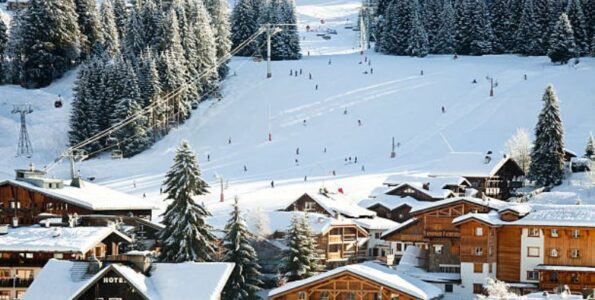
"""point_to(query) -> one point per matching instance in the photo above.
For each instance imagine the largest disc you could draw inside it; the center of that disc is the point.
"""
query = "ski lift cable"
(160, 101)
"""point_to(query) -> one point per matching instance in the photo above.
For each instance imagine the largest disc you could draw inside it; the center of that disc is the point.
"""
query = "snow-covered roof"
(399, 227)
(432, 191)
(564, 268)
(468, 164)
(55, 239)
(437, 182)
(374, 272)
(488, 202)
(391, 202)
(412, 263)
(376, 223)
(542, 215)
(91, 196)
(339, 203)
(166, 281)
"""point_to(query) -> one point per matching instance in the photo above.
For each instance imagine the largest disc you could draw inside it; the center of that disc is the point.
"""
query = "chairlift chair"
(58, 102)
(117, 154)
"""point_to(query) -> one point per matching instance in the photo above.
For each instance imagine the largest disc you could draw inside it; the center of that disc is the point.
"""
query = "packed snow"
(354, 113)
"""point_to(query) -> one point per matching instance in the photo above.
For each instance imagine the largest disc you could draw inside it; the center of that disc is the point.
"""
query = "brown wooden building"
(366, 281)
(342, 242)
(329, 204)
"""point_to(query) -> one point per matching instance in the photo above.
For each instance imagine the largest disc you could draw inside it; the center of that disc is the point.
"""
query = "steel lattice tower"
(24, 146)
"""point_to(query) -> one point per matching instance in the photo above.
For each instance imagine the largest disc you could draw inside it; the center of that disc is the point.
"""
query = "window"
(399, 247)
(576, 234)
(448, 288)
(490, 250)
(554, 277)
(25, 273)
(4, 295)
(377, 235)
(309, 206)
(301, 296)
(478, 231)
(409, 191)
(554, 252)
(554, 232)
(490, 268)
(58, 255)
(449, 268)
(574, 278)
(575, 253)
(477, 268)
(437, 249)
(351, 296)
(478, 251)
(534, 232)
(477, 288)
(532, 251)
(324, 296)
(532, 275)
(5, 274)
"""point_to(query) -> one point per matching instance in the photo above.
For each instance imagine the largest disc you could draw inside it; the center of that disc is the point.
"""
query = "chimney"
(140, 260)
(94, 265)
(488, 158)
(426, 186)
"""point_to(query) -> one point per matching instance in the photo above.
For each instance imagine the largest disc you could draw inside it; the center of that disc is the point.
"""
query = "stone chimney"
(94, 265)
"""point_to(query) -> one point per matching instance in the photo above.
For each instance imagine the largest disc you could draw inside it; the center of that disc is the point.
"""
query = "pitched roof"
(392, 202)
(91, 196)
(55, 239)
(374, 272)
(488, 202)
(376, 223)
(399, 227)
(468, 164)
(339, 203)
(166, 281)
(438, 182)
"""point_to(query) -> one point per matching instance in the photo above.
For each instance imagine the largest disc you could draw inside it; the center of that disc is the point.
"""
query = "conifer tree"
(110, 33)
(3, 46)
(289, 36)
(50, 41)
(120, 17)
(545, 22)
(444, 42)
(432, 15)
(89, 26)
(206, 56)
(151, 18)
(301, 260)
(245, 277)
(243, 25)
(500, 18)
(150, 88)
(134, 39)
(547, 155)
(418, 39)
(590, 148)
(83, 115)
(186, 236)
(220, 24)
(528, 35)
(577, 20)
(13, 51)
(172, 77)
(398, 26)
(474, 33)
(562, 46)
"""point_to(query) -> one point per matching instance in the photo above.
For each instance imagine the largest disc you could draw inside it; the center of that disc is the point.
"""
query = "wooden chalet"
(25, 250)
(392, 207)
(366, 281)
(341, 242)
(329, 204)
(543, 249)
(31, 196)
(490, 176)
(431, 228)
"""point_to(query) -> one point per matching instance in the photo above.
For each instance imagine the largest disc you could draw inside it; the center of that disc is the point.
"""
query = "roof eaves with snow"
(399, 227)
(489, 202)
(335, 203)
(384, 276)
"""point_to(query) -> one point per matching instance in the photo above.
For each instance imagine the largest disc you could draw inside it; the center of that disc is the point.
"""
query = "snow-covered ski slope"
(394, 101)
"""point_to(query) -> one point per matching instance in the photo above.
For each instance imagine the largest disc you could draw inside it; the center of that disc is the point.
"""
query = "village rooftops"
(542, 215)
(399, 227)
(375, 223)
(90, 196)
(435, 182)
(376, 273)
(488, 202)
(469, 164)
(392, 202)
(55, 239)
(181, 281)
(335, 203)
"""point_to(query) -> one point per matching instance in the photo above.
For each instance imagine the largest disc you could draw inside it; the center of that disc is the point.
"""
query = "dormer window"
(534, 232)
(409, 191)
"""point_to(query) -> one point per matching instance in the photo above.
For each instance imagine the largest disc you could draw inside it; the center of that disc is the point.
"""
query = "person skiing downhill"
(272, 184)
(443, 109)
(297, 151)
(310, 76)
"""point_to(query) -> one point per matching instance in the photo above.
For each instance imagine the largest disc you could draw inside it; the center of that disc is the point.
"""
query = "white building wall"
(456, 294)
(469, 278)
(529, 263)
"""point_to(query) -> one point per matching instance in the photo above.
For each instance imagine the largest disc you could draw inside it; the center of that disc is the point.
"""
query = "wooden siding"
(300, 205)
(340, 286)
(509, 253)
(339, 244)
(470, 241)
(582, 280)
(585, 243)
(413, 193)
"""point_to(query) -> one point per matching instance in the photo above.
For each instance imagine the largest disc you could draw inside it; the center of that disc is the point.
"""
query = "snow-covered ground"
(394, 101)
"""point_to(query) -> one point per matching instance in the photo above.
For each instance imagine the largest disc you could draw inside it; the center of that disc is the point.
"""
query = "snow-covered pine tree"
(190, 53)
(574, 11)
(220, 24)
(547, 155)
(474, 33)
(134, 39)
(111, 36)
(418, 38)
(13, 59)
(244, 24)
(590, 148)
(186, 236)
(518, 147)
(527, 37)
(432, 14)
(544, 17)
(400, 26)
(3, 46)
(243, 284)
(172, 77)
(83, 115)
(134, 137)
(50, 41)
(500, 18)
(120, 17)
(562, 46)
(150, 88)
(89, 26)
(206, 52)
(444, 42)
(289, 37)
(151, 18)
(301, 257)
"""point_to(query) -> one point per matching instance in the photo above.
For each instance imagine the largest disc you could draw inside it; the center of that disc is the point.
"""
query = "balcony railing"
(10, 282)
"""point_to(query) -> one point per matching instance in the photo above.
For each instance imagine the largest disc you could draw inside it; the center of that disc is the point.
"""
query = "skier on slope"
(272, 184)
(245, 168)
(359, 122)
(443, 109)
(297, 151)
(310, 76)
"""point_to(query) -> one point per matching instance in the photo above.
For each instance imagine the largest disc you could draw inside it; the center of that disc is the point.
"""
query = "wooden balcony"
(334, 256)
(341, 239)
